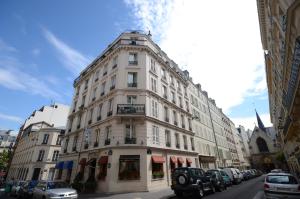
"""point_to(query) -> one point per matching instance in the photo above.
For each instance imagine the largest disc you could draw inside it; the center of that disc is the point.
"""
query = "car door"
(38, 191)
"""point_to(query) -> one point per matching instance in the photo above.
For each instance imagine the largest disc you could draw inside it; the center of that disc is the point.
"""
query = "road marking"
(259, 195)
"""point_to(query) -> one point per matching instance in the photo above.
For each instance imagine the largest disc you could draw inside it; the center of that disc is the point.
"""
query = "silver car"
(281, 185)
(54, 190)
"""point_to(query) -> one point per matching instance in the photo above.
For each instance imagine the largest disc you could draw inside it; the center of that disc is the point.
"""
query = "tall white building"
(135, 117)
(38, 144)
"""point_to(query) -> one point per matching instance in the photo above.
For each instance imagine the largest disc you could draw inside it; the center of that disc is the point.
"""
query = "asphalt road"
(251, 189)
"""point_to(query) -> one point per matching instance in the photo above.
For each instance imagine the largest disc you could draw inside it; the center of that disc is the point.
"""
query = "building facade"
(280, 36)
(135, 117)
(38, 144)
(7, 141)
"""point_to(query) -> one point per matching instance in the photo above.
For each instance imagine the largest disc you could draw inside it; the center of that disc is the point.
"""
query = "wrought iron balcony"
(134, 84)
(129, 140)
(133, 62)
(165, 96)
(167, 119)
(177, 146)
(168, 144)
(107, 142)
(131, 109)
(109, 113)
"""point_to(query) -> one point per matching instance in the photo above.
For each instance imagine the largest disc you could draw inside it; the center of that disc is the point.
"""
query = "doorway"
(36, 173)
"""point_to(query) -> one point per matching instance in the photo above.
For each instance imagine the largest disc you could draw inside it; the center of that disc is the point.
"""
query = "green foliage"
(4, 158)
(280, 157)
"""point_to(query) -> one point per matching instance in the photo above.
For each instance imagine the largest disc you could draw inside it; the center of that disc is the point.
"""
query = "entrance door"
(36, 173)
(51, 174)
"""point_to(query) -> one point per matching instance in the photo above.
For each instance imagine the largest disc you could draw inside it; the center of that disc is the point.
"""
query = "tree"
(4, 158)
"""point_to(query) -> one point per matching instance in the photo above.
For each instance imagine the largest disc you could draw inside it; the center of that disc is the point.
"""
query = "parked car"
(226, 178)
(246, 175)
(26, 189)
(191, 180)
(217, 179)
(54, 189)
(281, 185)
(16, 187)
(276, 171)
(234, 176)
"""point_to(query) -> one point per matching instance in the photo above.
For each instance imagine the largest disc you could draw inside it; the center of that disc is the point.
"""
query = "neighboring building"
(244, 139)
(280, 36)
(7, 140)
(39, 144)
(135, 117)
(233, 148)
(264, 148)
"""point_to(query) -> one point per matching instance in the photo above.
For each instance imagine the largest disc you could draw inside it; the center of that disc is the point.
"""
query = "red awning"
(188, 160)
(158, 159)
(180, 160)
(173, 159)
(82, 161)
(103, 160)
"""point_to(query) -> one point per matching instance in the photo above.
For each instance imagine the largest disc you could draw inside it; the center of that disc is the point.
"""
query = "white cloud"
(11, 118)
(217, 40)
(71, 58)
(250, 122)
(12, 78)
(5, 47)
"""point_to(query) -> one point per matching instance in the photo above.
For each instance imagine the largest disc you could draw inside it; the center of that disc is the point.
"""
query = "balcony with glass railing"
(131, 109)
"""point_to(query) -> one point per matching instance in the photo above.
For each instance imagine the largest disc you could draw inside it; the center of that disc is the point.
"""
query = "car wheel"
(182, 179)
(200, 192)
(178, 193)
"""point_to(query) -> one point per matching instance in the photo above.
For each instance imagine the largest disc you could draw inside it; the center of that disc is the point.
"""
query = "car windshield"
(281, 179)
(56, 185)
(180, 170)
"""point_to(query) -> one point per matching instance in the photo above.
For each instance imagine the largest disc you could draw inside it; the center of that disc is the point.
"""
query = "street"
(251, 189)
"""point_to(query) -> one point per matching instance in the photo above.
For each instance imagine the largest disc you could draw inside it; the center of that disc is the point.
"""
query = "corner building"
(132, 120)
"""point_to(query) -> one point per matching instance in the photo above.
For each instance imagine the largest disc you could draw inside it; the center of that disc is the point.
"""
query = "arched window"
(262, 145)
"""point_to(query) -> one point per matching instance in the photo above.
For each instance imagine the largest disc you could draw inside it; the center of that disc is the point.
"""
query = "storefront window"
(157, 170)
(103, 161)
(129, 167)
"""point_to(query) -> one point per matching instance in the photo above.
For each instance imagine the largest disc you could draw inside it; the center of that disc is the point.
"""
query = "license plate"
(283, 189)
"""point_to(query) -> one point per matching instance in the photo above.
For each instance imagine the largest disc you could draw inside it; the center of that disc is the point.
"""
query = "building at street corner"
(38, 144)
(264, 148)
(280, 36)
(7, 140)
(135, 117)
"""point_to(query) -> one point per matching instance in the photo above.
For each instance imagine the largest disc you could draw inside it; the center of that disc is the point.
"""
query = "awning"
(173, 159)
(180, 160)
(103, 160)
(82, 161)
(189, 160)
(158, 159)
(68, 165)
(59, 165)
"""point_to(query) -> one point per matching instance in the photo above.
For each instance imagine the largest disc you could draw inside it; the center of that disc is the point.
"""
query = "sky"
(45, 44)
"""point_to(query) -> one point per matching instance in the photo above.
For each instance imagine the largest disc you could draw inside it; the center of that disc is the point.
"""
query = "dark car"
(246, 175)
(191, 180)
(217, 179)
(26, 189)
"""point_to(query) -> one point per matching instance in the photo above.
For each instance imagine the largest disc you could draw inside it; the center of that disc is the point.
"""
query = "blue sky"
(44, 45)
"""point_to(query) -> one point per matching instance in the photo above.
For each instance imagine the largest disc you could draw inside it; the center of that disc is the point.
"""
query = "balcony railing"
(183, 126)
(112, 87)
(65, 150)
(107, 142)
(177, 146)
(96, 144)
(131, 109)
(185, 147)
(102, 94)
(78, 126)
(165, 96)
(74, 148)
(86, 146)
(133, 62)
(93, 99)
(90, 122)
(105, 73)
(168, 144)
(109, 113)
(98, 118)
(193, 148)
(134, 84)
(167, 119)
(129, 140)
(175, 123)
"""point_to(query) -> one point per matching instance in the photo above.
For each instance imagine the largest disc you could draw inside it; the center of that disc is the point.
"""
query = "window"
(157, 170)
(165, 93)
(185, 91)
(97, 75)
(190, 124)
(110, 106)
(75, 143)
(113, 82)
(74, 106)
(97, 134)
(168, 138)
(172, 80)
(103, 167)
(182, 121)
(55, 155)
(177, 141)
(192, 144)
(58, 141)
(103, 88)
(187, 106)
(166, 113)
(173, 97)
(99, 112)
(132, 79)
(79, 121)
(94, 94)
(114, 62)
(155, 135)
(77, 90)
(66, 145)
(152, 66)
(154, 108)
(107, 135)
(163, 74)
(130, 134)
(105, 70)
(131, 99)
(153, 85)
(41, 155)
(129, 167)
(175, 117)
(262, 145)
(133, 59)
(86, 84)
(185, 142)
(45, 139)
(180, 102)
(178, 86)
(91, 116)
(83, 101)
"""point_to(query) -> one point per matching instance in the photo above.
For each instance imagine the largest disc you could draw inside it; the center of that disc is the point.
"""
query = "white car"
(281, 185)
(53, 190)
(234, 176)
